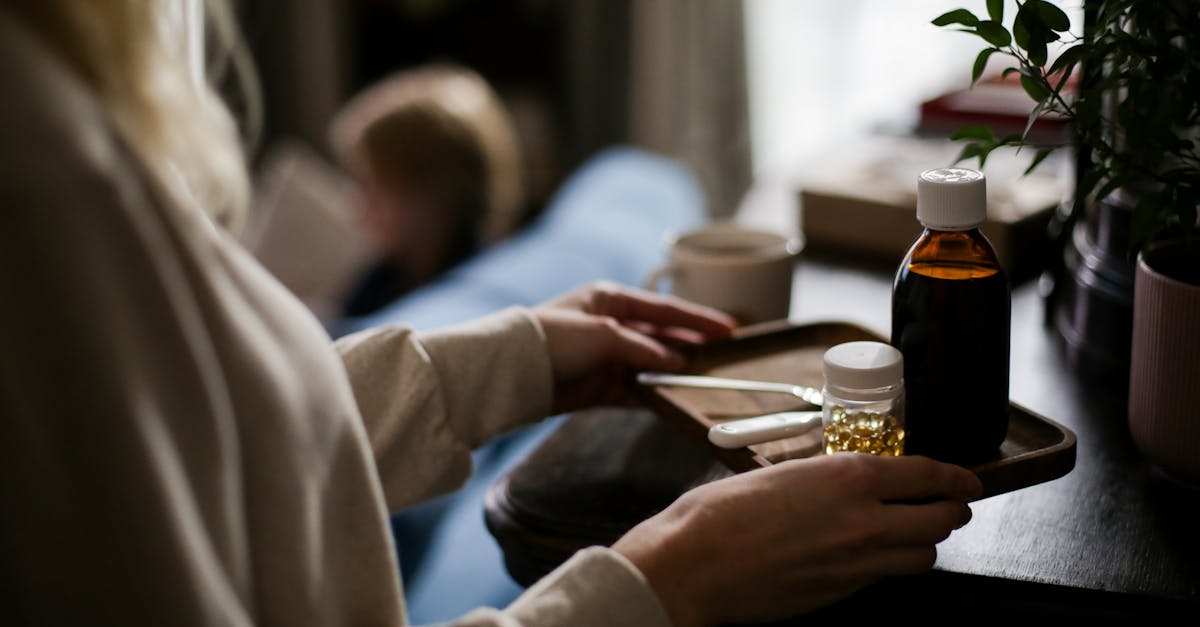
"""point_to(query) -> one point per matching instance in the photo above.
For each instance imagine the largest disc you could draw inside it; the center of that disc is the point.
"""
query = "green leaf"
(1037, 52)
(974, 131)
(1063, 77)
(1038, 158)
(983, 155)
(1068, 58)
(1033, 115)
(1034, 87)
(1032, 34)
(971, 150)
(1009, 70)
(981, 64)
(1146, 221)
(994, 33)
(995, 9)
(957, 16)
(1020, 32)
(1051, 15)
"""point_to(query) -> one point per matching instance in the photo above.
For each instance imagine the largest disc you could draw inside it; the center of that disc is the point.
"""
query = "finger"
(628, 304)
(915, 478)
(671, 335)
(642, 352)
(929, 523)
(678, 335)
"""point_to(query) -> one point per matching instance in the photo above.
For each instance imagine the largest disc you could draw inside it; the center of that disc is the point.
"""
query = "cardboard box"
(863, 202)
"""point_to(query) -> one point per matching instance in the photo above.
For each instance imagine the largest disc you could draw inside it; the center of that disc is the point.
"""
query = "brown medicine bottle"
(951, 310)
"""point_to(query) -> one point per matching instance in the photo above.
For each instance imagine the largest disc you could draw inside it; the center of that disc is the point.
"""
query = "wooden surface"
(781, 353)
(1036, 449)
(1111, 541)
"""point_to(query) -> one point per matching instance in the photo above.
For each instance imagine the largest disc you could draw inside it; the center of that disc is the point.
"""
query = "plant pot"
(1092, 308)
(1164, 382)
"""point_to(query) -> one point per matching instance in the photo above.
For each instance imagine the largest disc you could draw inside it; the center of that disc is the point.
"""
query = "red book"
(998, 103)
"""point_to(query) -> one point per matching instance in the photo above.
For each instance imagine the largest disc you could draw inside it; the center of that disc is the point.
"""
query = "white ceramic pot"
(1164, 378)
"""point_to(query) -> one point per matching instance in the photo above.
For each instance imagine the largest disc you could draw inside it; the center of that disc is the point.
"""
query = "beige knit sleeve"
(596, 588)
(428, 399)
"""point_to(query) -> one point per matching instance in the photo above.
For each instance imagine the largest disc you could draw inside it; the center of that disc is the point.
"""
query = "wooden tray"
(1037, 449)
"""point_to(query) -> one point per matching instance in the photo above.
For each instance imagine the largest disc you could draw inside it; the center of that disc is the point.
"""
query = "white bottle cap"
(863, 371)
(951, 199)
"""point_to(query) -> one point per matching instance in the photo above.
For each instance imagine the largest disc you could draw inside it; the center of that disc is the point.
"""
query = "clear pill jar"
(864, 399)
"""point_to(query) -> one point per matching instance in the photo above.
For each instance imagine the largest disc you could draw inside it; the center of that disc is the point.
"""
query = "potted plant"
(1130, 87)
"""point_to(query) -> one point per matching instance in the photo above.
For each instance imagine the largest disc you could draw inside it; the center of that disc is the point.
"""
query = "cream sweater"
(182, 445)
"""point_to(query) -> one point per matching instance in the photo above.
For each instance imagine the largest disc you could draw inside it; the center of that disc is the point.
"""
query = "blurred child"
(436, 156)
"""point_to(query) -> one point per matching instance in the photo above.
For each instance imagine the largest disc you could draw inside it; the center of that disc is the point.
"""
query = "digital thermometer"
(746, 431)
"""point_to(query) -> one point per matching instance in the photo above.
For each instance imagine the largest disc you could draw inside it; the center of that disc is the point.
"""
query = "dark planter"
(1091, 309)
(1164, 383)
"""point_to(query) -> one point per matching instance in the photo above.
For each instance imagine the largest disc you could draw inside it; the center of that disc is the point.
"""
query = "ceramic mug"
(744, 272)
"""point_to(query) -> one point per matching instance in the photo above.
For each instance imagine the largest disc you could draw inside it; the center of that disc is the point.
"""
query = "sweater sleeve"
(428, 399)
(596, 588)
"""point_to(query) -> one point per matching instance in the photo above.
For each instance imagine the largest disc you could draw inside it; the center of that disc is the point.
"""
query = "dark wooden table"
(1112, 541)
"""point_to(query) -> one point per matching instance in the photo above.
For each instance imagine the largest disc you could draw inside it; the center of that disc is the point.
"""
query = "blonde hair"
(444, 128)
(124, 51)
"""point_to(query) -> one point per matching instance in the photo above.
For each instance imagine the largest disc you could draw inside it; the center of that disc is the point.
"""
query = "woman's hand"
(598, 333)
(796, 536)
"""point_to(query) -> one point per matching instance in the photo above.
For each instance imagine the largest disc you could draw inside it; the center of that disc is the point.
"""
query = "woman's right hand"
(798, 535)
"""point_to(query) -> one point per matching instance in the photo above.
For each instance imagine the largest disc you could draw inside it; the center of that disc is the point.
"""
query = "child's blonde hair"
(443, 129)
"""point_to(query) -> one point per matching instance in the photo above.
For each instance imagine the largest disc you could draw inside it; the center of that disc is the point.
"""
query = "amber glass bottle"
(950, 319)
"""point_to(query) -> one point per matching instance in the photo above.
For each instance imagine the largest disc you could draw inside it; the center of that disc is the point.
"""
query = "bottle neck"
(966, 236)
(966, 248)
(949, 229)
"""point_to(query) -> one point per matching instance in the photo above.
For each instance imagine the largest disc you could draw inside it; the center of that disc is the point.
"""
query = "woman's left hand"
(598, 333)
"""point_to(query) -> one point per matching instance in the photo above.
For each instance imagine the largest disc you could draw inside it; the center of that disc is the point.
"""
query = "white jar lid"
(863, 371)
(951, 199)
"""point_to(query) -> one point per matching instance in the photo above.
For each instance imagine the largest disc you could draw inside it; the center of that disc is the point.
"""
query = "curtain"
(688, 95)
(301, 49)
(668, 75)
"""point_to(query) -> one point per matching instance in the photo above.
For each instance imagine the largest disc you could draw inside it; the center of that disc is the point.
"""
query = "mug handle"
(656, 276)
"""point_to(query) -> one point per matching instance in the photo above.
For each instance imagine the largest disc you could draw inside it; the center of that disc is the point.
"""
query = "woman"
(182, 445)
